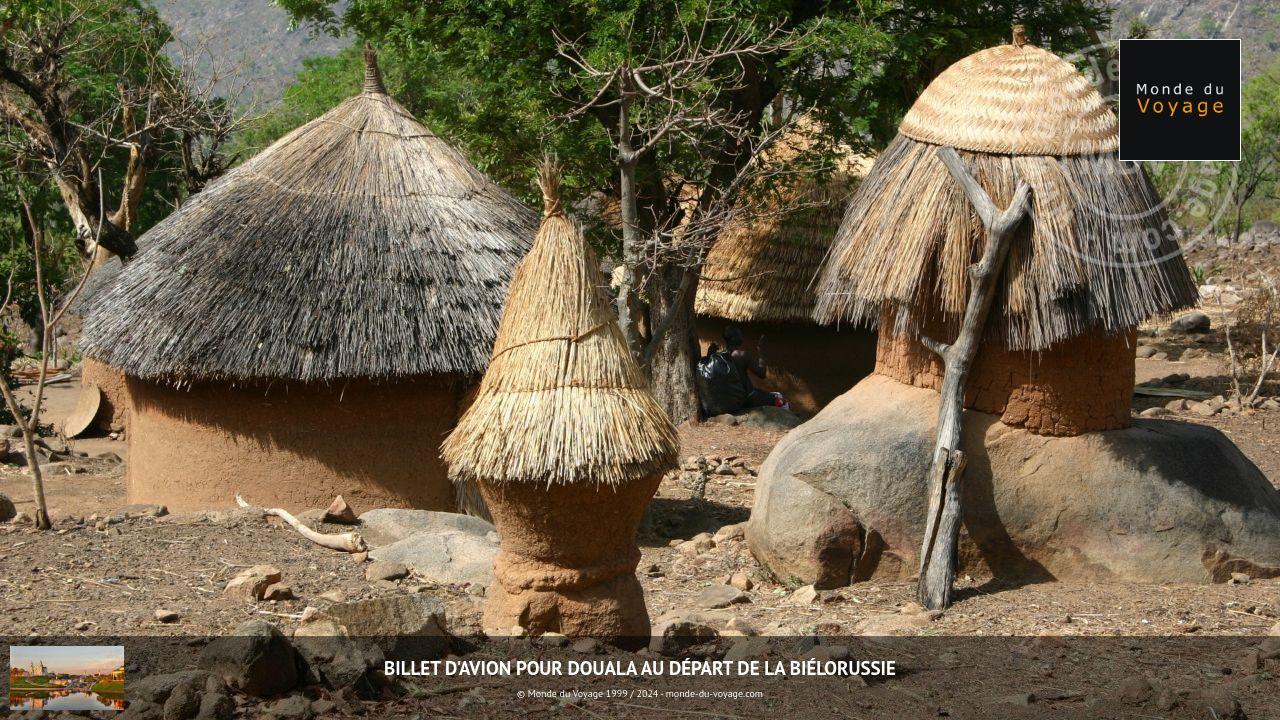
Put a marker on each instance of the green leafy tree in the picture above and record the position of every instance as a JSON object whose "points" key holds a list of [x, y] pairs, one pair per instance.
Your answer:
{"points": [[491, 75]]}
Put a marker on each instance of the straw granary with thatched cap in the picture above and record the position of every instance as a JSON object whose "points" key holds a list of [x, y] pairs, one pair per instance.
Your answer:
{"points": [[759, 276], [1038, 345], [309, 323], [566, 444], [1092, 262]]}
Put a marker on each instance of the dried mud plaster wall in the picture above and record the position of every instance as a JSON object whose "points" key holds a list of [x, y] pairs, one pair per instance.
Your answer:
{"points": [[292, 445], [114, 409], [1081, 385]]}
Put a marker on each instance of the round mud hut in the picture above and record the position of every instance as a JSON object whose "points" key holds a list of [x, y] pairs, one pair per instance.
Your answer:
{"points": [[310, 324], [1061, 482], [758, 276], [566, 444]]}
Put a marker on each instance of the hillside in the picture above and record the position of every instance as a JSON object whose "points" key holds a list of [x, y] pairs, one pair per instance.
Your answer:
{"points": [[250, 34], [1256, 22]]}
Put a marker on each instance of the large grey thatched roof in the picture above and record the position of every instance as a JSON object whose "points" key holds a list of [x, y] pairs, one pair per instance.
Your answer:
{"points": [[359, 245]]}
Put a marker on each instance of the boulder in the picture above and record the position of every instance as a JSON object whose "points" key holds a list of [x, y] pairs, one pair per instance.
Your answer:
{"points": [[256, 659], [389, 525], [842, 498], [1191, 323], [197, 694], [406, 627], [334, 659], [446, 557]]}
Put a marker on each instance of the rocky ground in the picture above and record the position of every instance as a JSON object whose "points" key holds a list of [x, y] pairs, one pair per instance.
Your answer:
{"points": [[108, 570]]}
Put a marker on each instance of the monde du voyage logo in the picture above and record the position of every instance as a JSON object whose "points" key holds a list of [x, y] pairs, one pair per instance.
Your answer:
{"points": [[1180, 99]]}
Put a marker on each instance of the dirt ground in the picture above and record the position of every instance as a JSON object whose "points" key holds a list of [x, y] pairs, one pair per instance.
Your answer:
{"points": [[85, 581]]}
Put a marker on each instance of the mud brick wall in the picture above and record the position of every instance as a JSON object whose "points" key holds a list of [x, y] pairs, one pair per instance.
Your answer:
{"points": [[1081, 385]]}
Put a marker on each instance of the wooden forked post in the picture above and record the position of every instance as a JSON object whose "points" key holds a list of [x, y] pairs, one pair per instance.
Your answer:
{"points": [[942, 526]]}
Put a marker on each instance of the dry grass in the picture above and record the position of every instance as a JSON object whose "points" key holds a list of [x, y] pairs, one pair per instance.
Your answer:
{"points": [[1082, 263], [563, 400], [358, 246]]}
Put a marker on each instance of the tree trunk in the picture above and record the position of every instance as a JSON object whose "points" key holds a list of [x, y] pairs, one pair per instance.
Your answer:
{"points": [[942, 524], [671, 367]]}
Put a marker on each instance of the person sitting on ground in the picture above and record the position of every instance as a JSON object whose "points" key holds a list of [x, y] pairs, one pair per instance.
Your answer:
{"points": [[751, 364]]}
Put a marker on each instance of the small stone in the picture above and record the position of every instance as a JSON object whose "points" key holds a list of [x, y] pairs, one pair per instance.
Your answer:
{"points": [[1239, 578], [7, 510], [1160, 356], [1274, 631], [721, 596], [278, 592], [741, 581], [673, 634], [730, 532], [167, 616], [332, 596], [1270, 404], [1135, 690], [806, 595], [696, 545], [726, 469], [723, 419], [82, 626], [586, 646], [748, 648], [1203, 409], [340, 513], [1146, 351], [552, 639], [21, 518], [359, 557], [251, 583], [738, 626], [1177, 405], [1155, 412], [294, 707], [654, 570], [385, 570]]}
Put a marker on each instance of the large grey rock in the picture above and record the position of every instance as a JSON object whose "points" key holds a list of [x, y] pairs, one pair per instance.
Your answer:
{"points": [[389, 525], [256, 658], [1192, 322], [187, 695], [406, 627], [843, 497], [448, 557], [336, 660]]}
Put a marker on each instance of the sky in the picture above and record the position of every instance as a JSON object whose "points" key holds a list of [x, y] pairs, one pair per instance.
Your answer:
{"points": [[69, 659]]}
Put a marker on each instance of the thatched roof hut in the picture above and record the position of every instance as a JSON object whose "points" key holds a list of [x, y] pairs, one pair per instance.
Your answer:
{"points": [[563, 400], [1093, 260], [566, 445], [350, 273], [759, 276], [1094, 257]]}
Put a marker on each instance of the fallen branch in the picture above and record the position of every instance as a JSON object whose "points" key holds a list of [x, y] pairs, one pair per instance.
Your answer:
{"points": [[349, 542]]}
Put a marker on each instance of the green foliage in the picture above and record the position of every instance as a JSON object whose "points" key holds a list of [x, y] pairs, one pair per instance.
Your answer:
{"points": [[108, 687], [486, 74]]}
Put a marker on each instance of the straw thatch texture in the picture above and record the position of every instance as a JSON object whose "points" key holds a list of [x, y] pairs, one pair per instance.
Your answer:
{"points": [[1082, 261], [563, 400], [1017, 100], [358, 246], [761, 269], [1094, 256]]}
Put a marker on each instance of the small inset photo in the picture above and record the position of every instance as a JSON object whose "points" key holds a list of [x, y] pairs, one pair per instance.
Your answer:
{"points": [[71, 677]]}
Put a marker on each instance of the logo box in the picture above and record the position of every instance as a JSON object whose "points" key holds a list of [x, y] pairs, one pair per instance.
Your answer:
{"points": [[1180, 99]]}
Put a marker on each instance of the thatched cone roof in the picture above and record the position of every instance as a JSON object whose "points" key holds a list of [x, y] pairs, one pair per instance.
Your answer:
{"points": [[360, 245], [1094, 256], [563, 400], [761, 267]]}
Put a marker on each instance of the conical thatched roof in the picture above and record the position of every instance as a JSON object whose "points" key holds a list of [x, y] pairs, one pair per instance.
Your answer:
{"points": [[563, 400], [761, 267], [359, 245], [1094, 256]]}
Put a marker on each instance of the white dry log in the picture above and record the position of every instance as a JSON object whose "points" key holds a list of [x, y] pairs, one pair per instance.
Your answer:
{"points": [[942, 525], [349, 542]]}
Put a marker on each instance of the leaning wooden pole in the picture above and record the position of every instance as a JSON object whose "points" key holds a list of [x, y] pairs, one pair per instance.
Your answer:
{"points": [[942, 526]]}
